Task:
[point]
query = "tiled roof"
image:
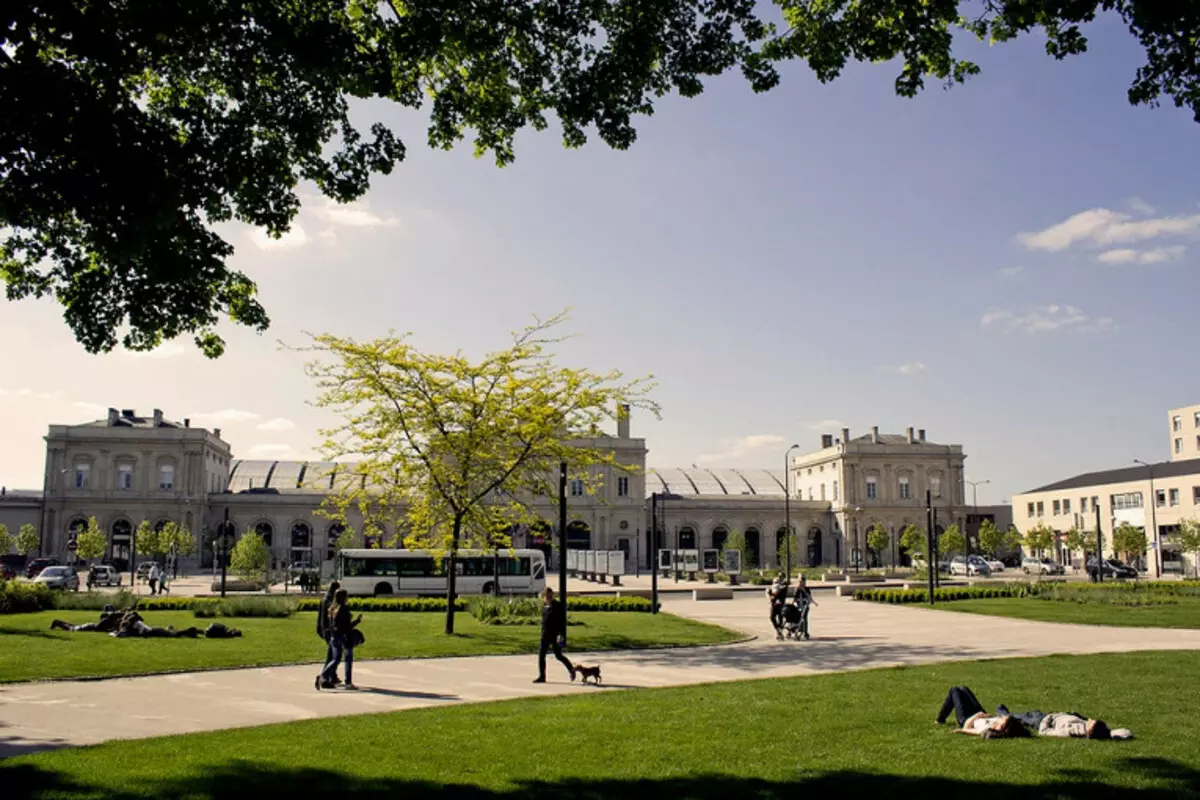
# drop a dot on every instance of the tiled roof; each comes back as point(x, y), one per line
point(1166, 469)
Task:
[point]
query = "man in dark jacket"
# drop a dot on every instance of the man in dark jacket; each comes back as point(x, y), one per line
point(554, 631)
point(323, 627)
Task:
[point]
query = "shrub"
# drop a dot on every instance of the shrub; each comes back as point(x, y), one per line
point(944, 594)
point(17, 597)
point(93, 601)
point(402, 604)
point(275, 607)
point(589, 603)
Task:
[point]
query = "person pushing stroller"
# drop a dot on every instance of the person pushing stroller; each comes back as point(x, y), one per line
point(777, 593)
point(795, 613)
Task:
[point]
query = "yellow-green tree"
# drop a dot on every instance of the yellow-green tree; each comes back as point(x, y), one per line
point(1129, 541)
point(952, 541)
point(249, 557)
point(7, 540)
point(176, 540)
point(1187, 538)
point(27, 539)
point(445, 443)
point(1039, 538)
point(878, 540)
point(147, 539)
point(914, 541)
point(91, 541)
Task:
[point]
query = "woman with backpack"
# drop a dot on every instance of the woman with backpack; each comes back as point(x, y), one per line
point(344, 636)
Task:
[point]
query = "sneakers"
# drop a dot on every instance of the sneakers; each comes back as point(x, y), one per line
point(539, 680)
point(319, 685)
point(572, 674)
point(350, 687)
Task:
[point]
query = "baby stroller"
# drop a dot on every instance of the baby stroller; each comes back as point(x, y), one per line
point(795, 620)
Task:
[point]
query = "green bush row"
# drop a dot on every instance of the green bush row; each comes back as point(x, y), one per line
point(401, 604)
point(17, 597)
point(944, 594)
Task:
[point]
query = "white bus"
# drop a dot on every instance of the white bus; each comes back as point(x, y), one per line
point(376, 573)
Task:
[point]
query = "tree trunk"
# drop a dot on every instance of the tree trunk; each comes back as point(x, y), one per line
point(452, 582)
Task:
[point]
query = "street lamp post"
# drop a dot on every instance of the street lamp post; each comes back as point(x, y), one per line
point(975, 507)
point(787, 510)
point(1153, 521)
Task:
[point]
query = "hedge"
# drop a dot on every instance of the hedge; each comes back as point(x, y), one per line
point(944, 594)
point(409, 604)
point(17, 597)
point(590, 603)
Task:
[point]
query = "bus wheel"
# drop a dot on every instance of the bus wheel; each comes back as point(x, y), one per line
point(382, 589)
point(488, 588)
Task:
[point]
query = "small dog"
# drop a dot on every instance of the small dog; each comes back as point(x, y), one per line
point(589, 672)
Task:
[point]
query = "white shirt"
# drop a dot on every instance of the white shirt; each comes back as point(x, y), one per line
point(153, 573)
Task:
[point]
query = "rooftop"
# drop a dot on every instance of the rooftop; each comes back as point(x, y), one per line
point(710, 482)
point(1165, 469)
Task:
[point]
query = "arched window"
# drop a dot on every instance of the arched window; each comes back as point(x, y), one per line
point(301, 543)
point(751, 559)
point(719, 535)
point(687, 538)
point(579, 536)
point(332, 534)
point(266, 531)
point(814, 546)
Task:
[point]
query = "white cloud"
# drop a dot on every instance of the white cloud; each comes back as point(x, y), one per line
point(1130, 256)
point(911, 368)
point(164, 350)
point(1047, 319)
point(1140, 206)
point(277, 424)
point(269, 451)
point(1011, 272)
point(826, 425)
point(742, 446)
point(355, 215)
point(228, 416)
point(30, 394)
point(92, 409)
point(1102, 226)
point(296, 237)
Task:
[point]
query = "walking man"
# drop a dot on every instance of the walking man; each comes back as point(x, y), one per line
point(152, 578)
point(554, 632)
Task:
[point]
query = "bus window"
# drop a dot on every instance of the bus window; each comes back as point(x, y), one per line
point(418, 568)
point(368, 568)
point(476, 566)
point(514, 566)
point(539, 571)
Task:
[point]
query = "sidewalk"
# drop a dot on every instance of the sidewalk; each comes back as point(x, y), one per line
point(846, 636)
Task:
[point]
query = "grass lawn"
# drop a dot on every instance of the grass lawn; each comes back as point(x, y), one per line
point(1184, 615)
point(31, 651)
point(848, 735)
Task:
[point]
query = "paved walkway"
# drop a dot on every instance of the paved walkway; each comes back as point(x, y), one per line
point(847, 636)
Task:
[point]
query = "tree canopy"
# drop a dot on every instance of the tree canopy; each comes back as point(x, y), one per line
point(132, 128)
point(450, 450)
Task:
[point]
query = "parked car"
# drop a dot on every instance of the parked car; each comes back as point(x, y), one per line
point(973, 566)
point(143, 570)
point(59, 577)
point(995, 566)
point(1112, 568)
point(1041, 566)
point(103, 575)
point(37, 565)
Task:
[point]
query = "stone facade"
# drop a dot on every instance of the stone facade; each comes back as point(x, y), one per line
point(128, 468)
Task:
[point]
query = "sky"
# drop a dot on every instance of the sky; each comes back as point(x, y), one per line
point(1009, 264)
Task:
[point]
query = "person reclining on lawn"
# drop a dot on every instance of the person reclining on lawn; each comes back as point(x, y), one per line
point(132, 624)
point(972, 719)
point(110, 618)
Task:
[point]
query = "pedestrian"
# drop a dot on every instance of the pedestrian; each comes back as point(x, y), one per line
point(777, 594)
point(803, 599)
point(554, 634)
point(164, 580)
point(325, 631)
point(342, 636)
point(152, 578)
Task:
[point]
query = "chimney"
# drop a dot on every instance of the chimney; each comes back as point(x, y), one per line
point(217, 432)
point(623, 421)
point(911, 439)
point(128, 413)
point(921, 435)
point(875, 434)
point(187, 423)
point(846, 435)
point(158, 417)
point(826, 440)
point(112, 417)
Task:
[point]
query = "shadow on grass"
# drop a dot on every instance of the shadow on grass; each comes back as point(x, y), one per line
point(236, 780)
point(6, 631)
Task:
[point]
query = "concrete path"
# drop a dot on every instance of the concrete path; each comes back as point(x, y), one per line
point(846, 636)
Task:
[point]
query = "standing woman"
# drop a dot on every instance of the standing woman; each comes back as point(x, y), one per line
point(342, 630)
point(554, 631)
point(803, 600)
point(325, 630)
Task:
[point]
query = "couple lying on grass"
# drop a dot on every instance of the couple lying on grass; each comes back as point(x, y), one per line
point(122, 624)
point(1004, 724)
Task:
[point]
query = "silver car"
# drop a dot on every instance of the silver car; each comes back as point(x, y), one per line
point(65, 578)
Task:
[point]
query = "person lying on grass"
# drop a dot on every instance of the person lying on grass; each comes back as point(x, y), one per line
point(110, 618)
point(972, 719)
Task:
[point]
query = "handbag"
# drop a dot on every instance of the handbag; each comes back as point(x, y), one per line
point(355, 638)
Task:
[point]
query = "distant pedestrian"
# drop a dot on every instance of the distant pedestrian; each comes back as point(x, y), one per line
point(554, 634)
point(325, 630)
point(777, 593)
point(803, 598)
point(164, 581)
point(152, 578)
point(343, 629)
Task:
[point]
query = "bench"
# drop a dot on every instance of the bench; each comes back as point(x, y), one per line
point(715, 593)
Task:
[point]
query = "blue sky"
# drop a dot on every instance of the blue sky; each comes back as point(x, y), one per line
point(783, 264)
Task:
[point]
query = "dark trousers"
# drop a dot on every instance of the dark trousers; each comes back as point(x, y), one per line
point(963, 702)
point(777, 616)
point(1030, 719)
point(546, 646)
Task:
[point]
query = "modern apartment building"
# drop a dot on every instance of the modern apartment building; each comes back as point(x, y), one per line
point(1154, 497)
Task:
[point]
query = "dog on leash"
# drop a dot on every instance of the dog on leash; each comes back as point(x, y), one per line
point(589, 672)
